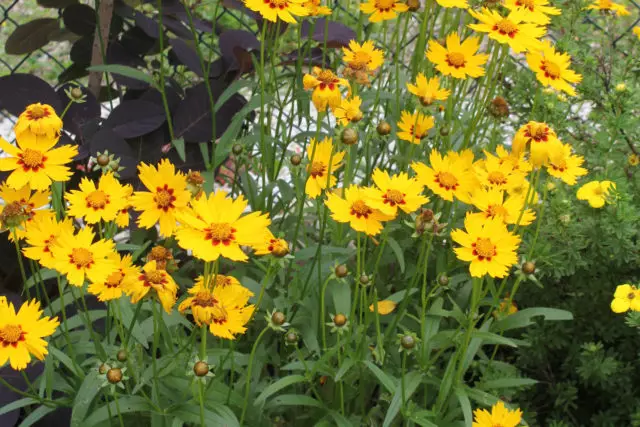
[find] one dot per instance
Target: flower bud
(114, 375)
(13, 215)
(291, 337)
(237, 149)
(278, 318)
(339, 320)
(349, 136)
(443, 280)
(364, 279)
(499, 108)
(408, 342)
(102, 369)
(383, 128)
(122, 355)
(296, 159)
(341, 271)
(103, 160)
(76, 93)
(427, 215)
(414, 5)
(201, 368)
(529, 267)
(444, 131)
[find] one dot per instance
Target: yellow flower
(414, 127)
(122, 219)
(78, 257)
(38, 122)
(636, 31)
(32, 206)
(538, 137)
(167, 196)
(523, 190)
(457, 60)
(596, 192)
(271, 245)
(447, 177)
(114, 285)
(215, 227)
(487, 245)
(499, 416)
(517, 162)
(633, 160)
(506, 308)
(362, 60)
(492, 203)
(608, 6)
(395, 191)
(428, 91)
(36, 164)
(315, 8)
(564, 165)
(511, 30)
(42, 235)
(322, 162)
(355, 210)
(493, 173)
(326, 88)
(22, 333)
(348, 111)
(534, 11)
(621, 87)
(153, 279)
(552, 68)
(93, 204)
(626, 297)
(384, 307)
(382, 10)
(462, 4)
(272, 10)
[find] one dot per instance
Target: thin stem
(20, 263)
(247, 387)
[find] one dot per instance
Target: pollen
(317, 169)
(360, 209)
(220, 233)
(97, 199)
(506, 27)
(81, 257)
(447, 180)
(10, 334)
(394, 197)
(37, 112)
(32, 159)
(155, 277)
(456, 59)
(551, 70)
(164, 198)
(484, 249)
(496, 210)
(204, 299)
(385, 5)
(114, 279)
(497, 178)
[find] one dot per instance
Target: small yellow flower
(114, 285)
(534, 11)
(395, 192)
(518, 162)
(93, 204)
(608, 6)
(38, 122)
(361, 60)
(636, 31)
(22, 333)
(153, 279)
(382, 10)
(596, 192)
(42, 235)
(323, 163)
(626, 297)
(272, 245)
(384, 307)
(621, 87)
(315, 8)
(122, 219)
(633, 160)
(355, 210)
(457, 60)
(565, 165)
(414, 127)
(538, 137)
(448, 176)
(428, 91)
(511, 29)
(506, 308)
(32, 206)
(552, 68)
(525, 190)
(349, 111)
(272, 10)
(462, 4)
(493, 173)
(326, 88)
(492, 204)
(499, 416)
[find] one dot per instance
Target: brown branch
(100, 42)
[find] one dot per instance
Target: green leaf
(491, 338)
(31, 36)
(524, 318)
(86, 393)
(386, 381)
(344, 368)
(340, 420)
(465, 405)
(412, 381)
(276, 387)
(65, 360)
(230, 90)
(127, 405)
(293, 400)
(398, 251)
(420, 418)
(36, 415)
(179, 146)
(191, 414)
(123, 70)
(17, 404)
(45, 274)
(507, 383)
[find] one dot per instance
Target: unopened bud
(349, 136)
(364, 279)
(296, 159)
(341, 271)
(414, 5)
(529, 267)
(114, 375)
(407, 342)
(278, 318)
(200, 368)
(76, 93)
(383, 128)
(122, 355)
(339, 320)
(237, 149)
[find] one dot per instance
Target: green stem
(322, 313)
(247, 387)
(16, 243)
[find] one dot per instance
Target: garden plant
(355, 213)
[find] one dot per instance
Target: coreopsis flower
(326, 88)
(151, 278)
(323, 163)
(348, 111)
(31, 206)
(608, 6)
(538, 137)
(273, 10)
(382, 10)
(636, 31)
(384, 307)
(565, 165)
(462, 4)
(499, 107)
(507, 307)
(355, 210)
(271, 245)
(94, 203)
(414, 127)
(167, 196)
(223, 308)
(163, 257)
(42, 235)
(38, 122)
(552, 68)
(499, 416)
(512, 29)
(36, 164)
(22, 333)
(447, 176)
(534, 11)
(596, 192)
(395, 192)
(361, 60)
(492, 204)
(517, 161)
(633, 160)
(114, 285)
(315, 8)
(215, 227)
(429, 90)
(122, 219)
(77, 256)
(456, 59)
(492, 173)
(524, 190)
(626, 297)
(487, 245)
